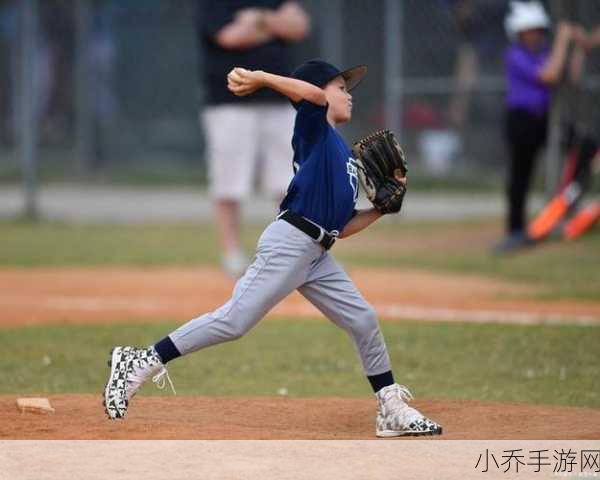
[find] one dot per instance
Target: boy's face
(340, 101)
(533, 39)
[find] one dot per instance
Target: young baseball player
(293, 253)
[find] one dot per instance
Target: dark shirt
(273, 56)
(325, 184)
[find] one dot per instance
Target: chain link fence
(108, 90)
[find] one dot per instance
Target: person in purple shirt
(532, 67)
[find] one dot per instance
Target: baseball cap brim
(354, 76)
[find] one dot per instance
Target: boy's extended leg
(330, 289)
(282, 263)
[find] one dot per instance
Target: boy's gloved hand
(382, 170)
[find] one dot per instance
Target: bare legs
(227, 214)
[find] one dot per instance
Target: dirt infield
(99, 295)
(80, 295)
(82, 417)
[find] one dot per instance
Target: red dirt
(82, 417)
(80, 295)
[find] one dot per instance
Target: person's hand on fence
(565, 30)
(585, 40)
(580, 36)
(592, 40)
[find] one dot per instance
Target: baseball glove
(382, 170)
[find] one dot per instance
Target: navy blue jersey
(325, 184)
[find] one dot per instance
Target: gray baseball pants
(287, 259)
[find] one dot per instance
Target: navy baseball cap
(320, 73)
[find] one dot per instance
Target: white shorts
(246, 140)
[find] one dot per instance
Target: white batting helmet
(525, 16)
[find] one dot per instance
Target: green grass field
(541, 364)
(563, 270)
(553, 365)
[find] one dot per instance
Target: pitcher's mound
(82, 417)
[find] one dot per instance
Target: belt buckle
(321, 236)
(327, 241)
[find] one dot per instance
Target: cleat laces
(159, 380)
(394, 402)
(397, 397)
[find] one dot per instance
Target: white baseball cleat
(130, 367)
(395, 418)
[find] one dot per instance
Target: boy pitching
(293, 253)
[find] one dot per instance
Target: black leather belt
(325, 239)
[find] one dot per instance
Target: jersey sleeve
(311, 122)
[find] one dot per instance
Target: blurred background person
(532, 68)
(478, 41)
(52, 59)
(479, 37)
(8, 62)
(102, 51)
(246, 135)
(54, 71)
